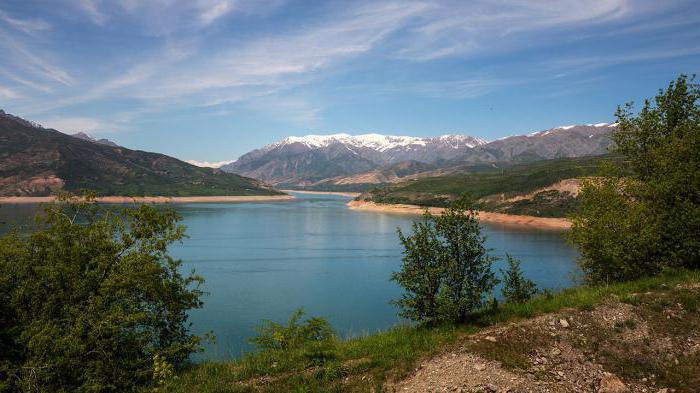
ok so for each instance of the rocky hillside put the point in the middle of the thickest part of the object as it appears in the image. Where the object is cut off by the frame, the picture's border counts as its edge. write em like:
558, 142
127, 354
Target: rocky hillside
645, 342
301, 161
35, 161
344, 162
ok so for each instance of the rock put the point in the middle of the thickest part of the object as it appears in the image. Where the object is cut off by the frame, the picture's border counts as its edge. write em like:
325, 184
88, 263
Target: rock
555, 352
490, 338
664, 390
480, 367
610, 383
564, 323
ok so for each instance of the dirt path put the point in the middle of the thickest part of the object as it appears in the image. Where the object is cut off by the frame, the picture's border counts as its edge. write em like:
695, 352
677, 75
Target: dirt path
649, 344
500, 218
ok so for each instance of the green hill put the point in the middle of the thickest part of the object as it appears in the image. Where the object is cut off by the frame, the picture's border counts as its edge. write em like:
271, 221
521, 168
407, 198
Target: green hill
36, 162
505, 180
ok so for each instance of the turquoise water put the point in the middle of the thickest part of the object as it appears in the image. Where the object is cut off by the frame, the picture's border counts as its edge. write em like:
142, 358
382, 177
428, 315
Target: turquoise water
264, 260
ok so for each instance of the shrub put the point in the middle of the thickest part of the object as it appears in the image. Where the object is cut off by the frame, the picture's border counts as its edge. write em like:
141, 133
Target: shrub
91, 297
516, 288
635, 223
314, 336
446, 271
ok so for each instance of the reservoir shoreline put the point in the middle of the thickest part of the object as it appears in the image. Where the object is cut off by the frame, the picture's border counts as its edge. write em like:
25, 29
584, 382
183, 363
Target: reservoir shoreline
491, 217
158, 199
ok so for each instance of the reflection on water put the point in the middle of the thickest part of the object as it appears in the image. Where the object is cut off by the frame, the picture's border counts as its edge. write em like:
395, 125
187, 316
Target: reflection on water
263, 260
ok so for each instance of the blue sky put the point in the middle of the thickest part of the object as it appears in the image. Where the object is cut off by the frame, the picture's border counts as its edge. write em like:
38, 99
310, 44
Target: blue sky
212, 79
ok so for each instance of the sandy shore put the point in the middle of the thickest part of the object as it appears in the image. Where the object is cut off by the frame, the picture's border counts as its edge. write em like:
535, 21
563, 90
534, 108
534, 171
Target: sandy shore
157, 199
540, 222
348, 194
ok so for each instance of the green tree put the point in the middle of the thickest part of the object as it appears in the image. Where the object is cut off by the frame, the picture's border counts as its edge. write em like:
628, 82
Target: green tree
91, 297
446, 270
636, 222
516, 287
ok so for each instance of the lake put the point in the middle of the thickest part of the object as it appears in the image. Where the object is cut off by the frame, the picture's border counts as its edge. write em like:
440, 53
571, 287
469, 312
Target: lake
264, 260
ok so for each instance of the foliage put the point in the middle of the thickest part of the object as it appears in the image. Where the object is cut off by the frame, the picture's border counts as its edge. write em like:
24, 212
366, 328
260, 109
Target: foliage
91, 297
370, 361
315, 336
516, 287
635, 223
509, 179
446, 270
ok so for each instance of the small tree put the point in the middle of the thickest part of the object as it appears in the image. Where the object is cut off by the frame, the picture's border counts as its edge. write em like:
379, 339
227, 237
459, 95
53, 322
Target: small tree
516, 287
91, 297
636, 222
446, 270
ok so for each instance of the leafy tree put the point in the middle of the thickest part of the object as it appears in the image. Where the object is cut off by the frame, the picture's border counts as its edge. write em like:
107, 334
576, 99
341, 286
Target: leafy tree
315, 336
516, 287
635, 223
90, 300
446, 269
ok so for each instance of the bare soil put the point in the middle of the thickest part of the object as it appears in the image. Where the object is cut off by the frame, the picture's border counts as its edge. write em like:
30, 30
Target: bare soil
647, 342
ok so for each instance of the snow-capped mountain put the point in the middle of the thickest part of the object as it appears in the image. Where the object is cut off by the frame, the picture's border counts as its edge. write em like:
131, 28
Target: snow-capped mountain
90, 138
208, 164
302, 160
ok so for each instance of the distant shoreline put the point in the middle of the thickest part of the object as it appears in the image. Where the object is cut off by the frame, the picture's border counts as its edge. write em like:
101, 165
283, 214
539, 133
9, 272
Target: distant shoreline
500, 218
158, 199
348, 194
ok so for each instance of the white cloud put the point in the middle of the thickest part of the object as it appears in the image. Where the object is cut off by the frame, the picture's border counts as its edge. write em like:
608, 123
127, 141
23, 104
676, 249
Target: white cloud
71, 125
8, 93
28, 26
207, 164
215, 10
91, 9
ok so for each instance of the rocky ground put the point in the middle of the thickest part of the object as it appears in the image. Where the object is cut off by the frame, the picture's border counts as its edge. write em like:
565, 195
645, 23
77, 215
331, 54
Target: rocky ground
646, 342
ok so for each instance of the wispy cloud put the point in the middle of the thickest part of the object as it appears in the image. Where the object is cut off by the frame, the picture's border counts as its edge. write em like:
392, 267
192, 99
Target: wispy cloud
28, 25
71, 125
187, 53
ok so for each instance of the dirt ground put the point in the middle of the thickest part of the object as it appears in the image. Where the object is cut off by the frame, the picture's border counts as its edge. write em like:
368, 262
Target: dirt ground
647, 342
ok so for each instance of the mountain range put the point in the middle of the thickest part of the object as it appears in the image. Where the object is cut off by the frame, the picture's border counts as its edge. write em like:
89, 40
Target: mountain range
35, 161
342, 161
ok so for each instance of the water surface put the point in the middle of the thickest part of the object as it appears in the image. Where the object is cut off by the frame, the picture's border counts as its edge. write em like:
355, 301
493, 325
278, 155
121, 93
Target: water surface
264, 260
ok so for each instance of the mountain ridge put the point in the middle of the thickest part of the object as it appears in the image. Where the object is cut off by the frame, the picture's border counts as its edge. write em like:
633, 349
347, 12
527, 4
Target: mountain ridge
38, 161
314, 159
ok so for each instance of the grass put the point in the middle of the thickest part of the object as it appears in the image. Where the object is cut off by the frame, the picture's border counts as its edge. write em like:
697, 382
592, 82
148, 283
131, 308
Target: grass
365, 363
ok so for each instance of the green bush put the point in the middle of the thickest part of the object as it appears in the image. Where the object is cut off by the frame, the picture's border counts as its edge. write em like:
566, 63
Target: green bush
446, 270
91, 297
315, 337
516, 288
635, 223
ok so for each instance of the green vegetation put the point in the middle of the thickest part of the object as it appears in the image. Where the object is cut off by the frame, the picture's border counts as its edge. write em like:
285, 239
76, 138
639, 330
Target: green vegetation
516, 288
506, 179
635, 223
365, 363
446, 271
315, 337
91, 301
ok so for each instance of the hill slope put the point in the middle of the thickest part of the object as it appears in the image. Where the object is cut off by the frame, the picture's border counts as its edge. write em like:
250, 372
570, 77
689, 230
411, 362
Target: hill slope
545, 188
345, 162
36, 162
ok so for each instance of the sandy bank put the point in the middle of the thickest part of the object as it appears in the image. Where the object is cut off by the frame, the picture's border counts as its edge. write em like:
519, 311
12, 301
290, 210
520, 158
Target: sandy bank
348, 194
158, 199
540, 222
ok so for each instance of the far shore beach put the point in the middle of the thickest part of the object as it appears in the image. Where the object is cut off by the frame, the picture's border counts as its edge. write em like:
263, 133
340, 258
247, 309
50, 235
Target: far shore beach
348, 194
509, 219
158, 199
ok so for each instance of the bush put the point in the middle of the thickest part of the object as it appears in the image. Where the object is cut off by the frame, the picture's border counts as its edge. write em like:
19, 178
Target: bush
446, 271
516, 288
636, 223
91, 297
315, 337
